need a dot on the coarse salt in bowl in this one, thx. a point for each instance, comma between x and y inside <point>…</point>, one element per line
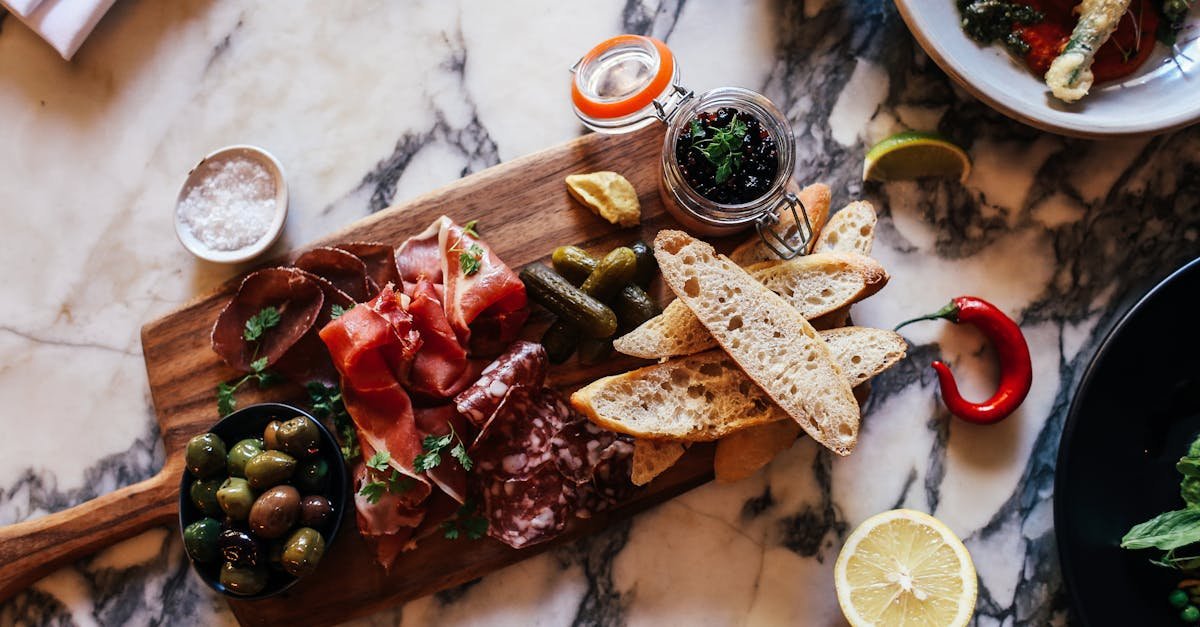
<point>232,205</point>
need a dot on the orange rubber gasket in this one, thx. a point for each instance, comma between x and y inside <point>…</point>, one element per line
<point>636,101</point>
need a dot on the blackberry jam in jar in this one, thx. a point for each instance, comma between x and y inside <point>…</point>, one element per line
<point>727,155</point>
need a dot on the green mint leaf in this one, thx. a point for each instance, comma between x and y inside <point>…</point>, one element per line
<point>373,491</point>
<point>469,228</point>
<point>379,461</point>
<point>1169,530</point>
<point>459,452</point>
<point>266,318</point>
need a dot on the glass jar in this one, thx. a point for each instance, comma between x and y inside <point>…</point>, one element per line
<point>628,82</point>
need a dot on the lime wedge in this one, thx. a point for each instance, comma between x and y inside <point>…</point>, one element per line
<point>914,155</point>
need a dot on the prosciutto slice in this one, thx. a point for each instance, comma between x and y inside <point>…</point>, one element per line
<point>418,257</point>
<point>485,289</point>
<point>440,369</point>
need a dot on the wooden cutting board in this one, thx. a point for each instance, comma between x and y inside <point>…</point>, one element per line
<point>524,212</point>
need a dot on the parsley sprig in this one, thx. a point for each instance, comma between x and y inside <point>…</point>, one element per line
<point>336,311</point>
<point>471,260</point>
<point>469,228</point>
<point>327,404</point>
<point>434,445</point>
<point>467,521</point>
<point>395,482</point>
<point>724,148</point>
<point>252,331</point>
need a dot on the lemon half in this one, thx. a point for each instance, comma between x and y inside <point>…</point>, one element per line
<point>903,567</point>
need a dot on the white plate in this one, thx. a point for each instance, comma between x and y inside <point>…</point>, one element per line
<point>1163,95</point>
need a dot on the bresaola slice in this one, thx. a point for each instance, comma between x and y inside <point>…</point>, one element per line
<point>380,260</point>
<point>297,298</point>
<point>344,270</point>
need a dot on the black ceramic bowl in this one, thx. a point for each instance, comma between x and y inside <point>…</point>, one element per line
<point>249,422</point>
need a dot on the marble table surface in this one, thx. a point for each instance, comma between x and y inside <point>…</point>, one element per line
<point>370,103</point>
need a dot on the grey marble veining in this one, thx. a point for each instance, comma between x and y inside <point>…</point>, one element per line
<point>372,103</point>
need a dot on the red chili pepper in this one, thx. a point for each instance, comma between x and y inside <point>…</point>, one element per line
<point>1016,369</point>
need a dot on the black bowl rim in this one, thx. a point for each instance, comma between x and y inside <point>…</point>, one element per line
<point>339,508</point>
<point>1073,420</point>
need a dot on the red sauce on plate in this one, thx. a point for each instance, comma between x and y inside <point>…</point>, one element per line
<point>1120,56</point>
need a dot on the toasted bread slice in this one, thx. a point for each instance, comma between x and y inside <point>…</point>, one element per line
<point>816,285</point>
<point>706,396</point>
<point>742,454</point>
<point>652,457</point>
<point>765,335</point>
<point>816,199</point>
<point>852,229</point>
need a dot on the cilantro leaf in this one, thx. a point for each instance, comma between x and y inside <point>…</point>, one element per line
<point>266,318</point>
<point>373,491</point>
<point>469,228</point>
<point>226,403</point>
<point>258,365</point>
<point>471,261</point>
<point>459,452</point>
<point>336,311</point>
<point>379,461</point>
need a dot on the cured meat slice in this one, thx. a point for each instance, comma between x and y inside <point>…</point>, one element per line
<point>449,475</point>
<point>387,523</point>
<point>298,301</point>
<point>372,345</point>
<point>490,333</point>
<point>525,512</point>
<point>581,447</point>
<point>309,360</point>
<point>380,260</point>
<point>611,481</point>
<point>523,363</point>
<point>440,369</point>
<point>518,440</point>
<point>477,283</point>
<point>418,257</point>
<point>344,270</point>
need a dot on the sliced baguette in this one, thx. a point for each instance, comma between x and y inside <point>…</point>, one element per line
<point>816,199</point>
<point>816,285</point>
<point>742,454</point>
<point>852,229</point>
<point>706,396</point>
<point>652,457</point>
<point>771,341</point>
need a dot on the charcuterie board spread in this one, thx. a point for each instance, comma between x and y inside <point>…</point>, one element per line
<point>523,212</point>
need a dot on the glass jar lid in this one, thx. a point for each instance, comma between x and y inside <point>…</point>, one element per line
<point>624,83</point>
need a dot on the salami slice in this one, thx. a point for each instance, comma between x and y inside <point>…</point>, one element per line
<point>345,271</point>
<point>611,481</point>
<point>524,512</point>
<point>516,443</point>
<point>296,298</point>
<point>581,446</point>
<point>524,363</point>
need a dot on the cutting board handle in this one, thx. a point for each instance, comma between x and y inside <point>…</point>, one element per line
<point>35,548</point>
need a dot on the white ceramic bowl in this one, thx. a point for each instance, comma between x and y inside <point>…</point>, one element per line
<point>198,248</point>
<point>1163,95</point>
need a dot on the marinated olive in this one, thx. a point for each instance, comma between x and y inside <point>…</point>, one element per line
<point>275,511</point>
<point>244,580</point>
<point>200,540</point>
<point>270,435</point>
<point>241,453</point>
<point>269,468</point>
<point>303,551</point>
<point>315,511</point>
<point>312,476</point>
<point>240,548</point>
<point>236,498</point>
<point>205,456</point>
<point>275,553</point>
<point>204,496</point>
<point>299,437</point>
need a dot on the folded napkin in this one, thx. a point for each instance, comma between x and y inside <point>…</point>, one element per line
<point>64,24</point>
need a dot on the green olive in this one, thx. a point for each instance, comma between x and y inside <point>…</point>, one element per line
<point>204,496</point>
<point>244,580</point>
<point>205,455</point>
<point>270,439</point>
<point>275,511</point>
<point>303,551</point>
<point>312,476</point>
<point>236,498</point>
<point>241,453</point>
<point>200,540</point>
<point>299,437</point>
<point>269,468</point>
